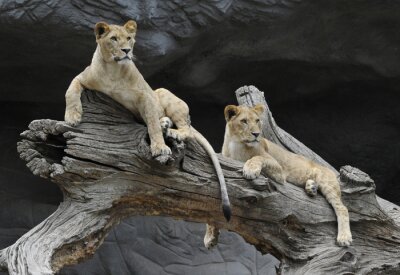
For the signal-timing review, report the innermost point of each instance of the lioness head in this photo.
(116, 42)
(243, 123)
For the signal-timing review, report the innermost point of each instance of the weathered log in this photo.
(105, 170)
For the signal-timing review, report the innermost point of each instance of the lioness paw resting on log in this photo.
(243, 142)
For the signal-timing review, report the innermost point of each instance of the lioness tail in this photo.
(226, 206)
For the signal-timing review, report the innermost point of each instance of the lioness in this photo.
(113, 73)
(243, 142)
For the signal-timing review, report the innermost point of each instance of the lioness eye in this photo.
(129, 38)
(114, 38)
(257, 120)
(244, 121)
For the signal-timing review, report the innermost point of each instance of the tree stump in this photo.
(106, 173)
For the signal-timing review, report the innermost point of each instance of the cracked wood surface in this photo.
(105, 170)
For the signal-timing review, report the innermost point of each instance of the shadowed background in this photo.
(329, 70)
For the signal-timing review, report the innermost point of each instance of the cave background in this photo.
(329, 69)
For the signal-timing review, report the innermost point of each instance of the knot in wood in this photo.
(356, 181)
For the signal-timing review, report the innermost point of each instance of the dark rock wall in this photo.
(329, 70)
(154, 245)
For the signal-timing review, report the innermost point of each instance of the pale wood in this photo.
(105, 170)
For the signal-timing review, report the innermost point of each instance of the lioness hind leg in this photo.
(178, 111)
(178, 134)
(330, 188)
(166, 124)
(211, 236)
(311, 187)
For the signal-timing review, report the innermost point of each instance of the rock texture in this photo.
(153, 245)
(362, 32)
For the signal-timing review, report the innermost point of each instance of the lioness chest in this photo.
(127, 97)
(129, 90)
(239, 151)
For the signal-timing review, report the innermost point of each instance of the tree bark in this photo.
(105, 170)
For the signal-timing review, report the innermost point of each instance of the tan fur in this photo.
(113, 73)
(243, 142)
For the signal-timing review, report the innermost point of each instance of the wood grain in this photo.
(106, 172)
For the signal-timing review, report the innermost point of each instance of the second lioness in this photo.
(243, 142)
(113, 73)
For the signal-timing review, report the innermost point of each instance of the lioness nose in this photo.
(256, 134)
(126, 50)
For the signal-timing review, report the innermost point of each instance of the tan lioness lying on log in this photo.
(243, 142)
(113, 73)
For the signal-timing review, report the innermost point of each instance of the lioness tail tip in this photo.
(226, 209)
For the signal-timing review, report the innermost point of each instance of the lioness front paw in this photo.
(344, 239)
(160, 149)
(311, 188)
(251, 170)
(73, 115)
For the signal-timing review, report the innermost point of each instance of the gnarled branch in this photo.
(105, 170)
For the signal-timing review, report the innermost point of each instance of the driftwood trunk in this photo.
(105, 170)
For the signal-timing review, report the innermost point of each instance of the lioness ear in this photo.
(100, 29)
(230, 111)
(259, 108)
(130, 26)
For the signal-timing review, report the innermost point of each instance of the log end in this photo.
(356, 181)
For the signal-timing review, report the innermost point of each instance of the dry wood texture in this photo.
(106, 173)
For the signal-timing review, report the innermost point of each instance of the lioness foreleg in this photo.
(253, 167)
(148, 111)
(73, 108)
